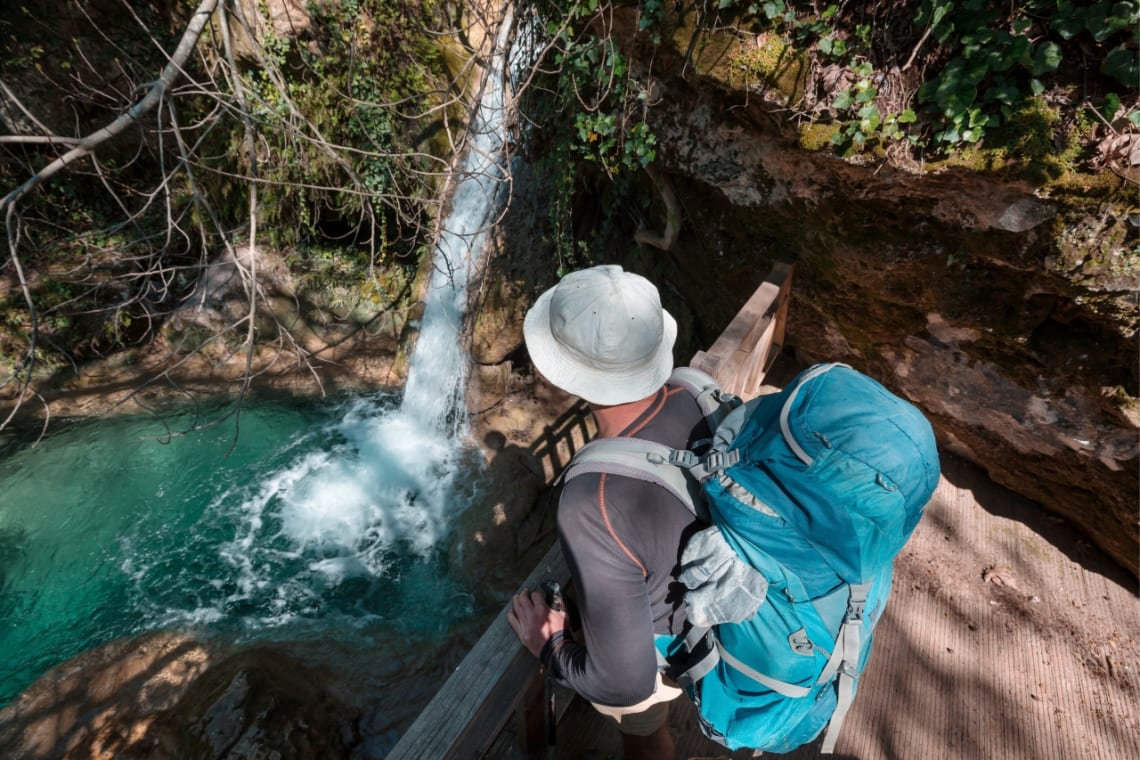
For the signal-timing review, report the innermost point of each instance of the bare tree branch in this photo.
(152, 98)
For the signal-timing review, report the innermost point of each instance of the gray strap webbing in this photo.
(780, 687)
(714, 402)
(636, 458)
(696, 669)
(849, 641)
(785, 427)
(846, 688)
(845, 661)
(694, 636)
(702, 667)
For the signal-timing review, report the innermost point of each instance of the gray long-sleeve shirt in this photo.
(622, 538)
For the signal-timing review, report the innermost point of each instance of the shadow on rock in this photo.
(168, 695)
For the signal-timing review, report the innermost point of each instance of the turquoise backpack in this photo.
(810, 493)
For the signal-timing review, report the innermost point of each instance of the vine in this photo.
(592, 110)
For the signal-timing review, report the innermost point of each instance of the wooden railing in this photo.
(744, 352)
(493, 683)
(499, 680)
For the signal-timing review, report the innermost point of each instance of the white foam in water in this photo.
(391, 483)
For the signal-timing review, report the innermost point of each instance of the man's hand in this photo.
(533, 621)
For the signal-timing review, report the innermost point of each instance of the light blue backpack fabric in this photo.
(815, 490)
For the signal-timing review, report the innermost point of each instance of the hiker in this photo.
(601, 334)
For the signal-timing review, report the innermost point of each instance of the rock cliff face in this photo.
(1007, 312)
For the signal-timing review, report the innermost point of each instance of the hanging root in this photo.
(663, 240)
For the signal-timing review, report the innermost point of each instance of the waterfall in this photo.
(398, 483)
(433, 395)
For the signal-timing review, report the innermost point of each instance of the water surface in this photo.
(323, 519)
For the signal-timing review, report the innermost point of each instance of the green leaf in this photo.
(843, 100)
(940, 12)
(1121, 64)
(1004, 94)
(907, 117)
(869, 123)
(1068, 25)
(1036, 86)
(865, 92)
(1046, 58)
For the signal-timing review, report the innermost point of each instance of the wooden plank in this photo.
(744, 352)
(472, 706)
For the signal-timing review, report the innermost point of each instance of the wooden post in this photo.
(530, 715)
(744, 352)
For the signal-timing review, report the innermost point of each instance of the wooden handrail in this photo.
(497, 678)
(480, 696)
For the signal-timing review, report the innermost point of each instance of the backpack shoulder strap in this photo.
(676, 470)
(637, 458)
(715, 402)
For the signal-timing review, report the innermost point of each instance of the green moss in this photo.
(770, 60)
(1033, 144)
(1029, 138)
(766, 61)
(817, 136)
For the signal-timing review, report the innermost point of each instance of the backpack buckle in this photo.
(857, 601)
(716, 461)
(683, 458)
(800, 643)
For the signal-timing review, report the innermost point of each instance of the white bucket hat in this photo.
(601, 334)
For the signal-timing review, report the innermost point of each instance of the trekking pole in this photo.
(552, 593)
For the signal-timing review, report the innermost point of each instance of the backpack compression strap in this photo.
(844, 660)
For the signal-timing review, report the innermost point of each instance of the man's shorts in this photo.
(647, 715)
